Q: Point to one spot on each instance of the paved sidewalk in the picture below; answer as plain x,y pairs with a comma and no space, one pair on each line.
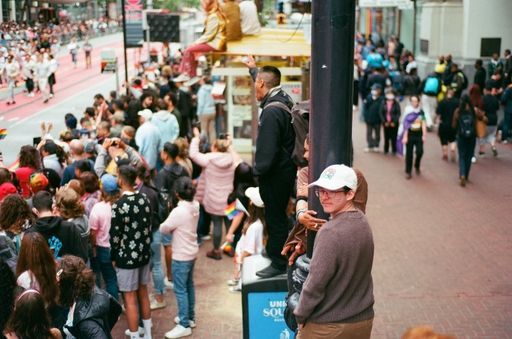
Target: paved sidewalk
218,311
443,253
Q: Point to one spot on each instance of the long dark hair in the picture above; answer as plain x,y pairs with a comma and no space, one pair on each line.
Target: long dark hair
465,102
243,179
35,256
256,213
29,318
29,157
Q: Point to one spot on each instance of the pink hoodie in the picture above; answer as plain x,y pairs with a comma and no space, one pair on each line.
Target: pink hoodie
182,223
218,173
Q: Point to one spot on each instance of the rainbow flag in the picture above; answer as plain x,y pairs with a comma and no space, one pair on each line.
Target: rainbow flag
3,133
231,212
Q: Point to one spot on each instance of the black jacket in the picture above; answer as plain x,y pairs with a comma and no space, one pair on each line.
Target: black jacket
62,236
276,136
372,110
479,79
94,318
410,84
395,112
164,181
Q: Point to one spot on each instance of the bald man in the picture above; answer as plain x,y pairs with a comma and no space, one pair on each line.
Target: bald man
76,150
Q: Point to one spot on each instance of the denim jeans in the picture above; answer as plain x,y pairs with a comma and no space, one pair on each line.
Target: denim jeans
156,262
107,271
183,277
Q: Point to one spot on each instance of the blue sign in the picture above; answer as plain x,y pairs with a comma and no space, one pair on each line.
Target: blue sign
266,316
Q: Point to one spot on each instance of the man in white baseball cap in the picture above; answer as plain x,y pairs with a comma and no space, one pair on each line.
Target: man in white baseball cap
337,297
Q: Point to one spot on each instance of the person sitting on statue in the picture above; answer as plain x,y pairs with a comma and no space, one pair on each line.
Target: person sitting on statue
337,296
212,39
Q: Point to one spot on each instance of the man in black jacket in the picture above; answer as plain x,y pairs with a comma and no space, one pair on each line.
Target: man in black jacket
185,104
273,163
480,74
63,237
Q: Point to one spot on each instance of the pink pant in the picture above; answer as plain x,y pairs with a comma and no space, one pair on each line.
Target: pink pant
188,62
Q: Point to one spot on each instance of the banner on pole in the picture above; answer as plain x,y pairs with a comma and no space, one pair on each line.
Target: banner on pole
133,23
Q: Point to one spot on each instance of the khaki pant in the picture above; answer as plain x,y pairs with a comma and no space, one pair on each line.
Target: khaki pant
359,330
208,125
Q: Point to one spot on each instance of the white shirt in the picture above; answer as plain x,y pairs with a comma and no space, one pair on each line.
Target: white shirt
249,18
12,69
29,68
43,69
252,241
53,65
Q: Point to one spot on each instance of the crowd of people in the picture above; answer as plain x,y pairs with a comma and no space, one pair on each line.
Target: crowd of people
110,213
28,54
465,114
86,212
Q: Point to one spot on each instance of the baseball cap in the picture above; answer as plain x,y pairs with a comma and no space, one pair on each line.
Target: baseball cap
109,183
335,177
146,113
253,193
38,182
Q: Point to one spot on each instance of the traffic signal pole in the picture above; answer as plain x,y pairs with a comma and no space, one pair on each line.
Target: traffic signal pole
332,78
124,47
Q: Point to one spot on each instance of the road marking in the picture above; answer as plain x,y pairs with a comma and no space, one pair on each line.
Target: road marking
13,119
57,104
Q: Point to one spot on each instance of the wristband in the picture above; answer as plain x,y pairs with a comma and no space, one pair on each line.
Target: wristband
299,212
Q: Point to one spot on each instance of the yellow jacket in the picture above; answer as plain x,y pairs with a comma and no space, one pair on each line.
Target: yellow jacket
214,31
231,11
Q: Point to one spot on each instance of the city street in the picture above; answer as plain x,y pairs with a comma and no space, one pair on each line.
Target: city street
74,91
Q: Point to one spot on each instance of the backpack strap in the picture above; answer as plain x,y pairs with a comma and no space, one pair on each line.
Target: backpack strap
279,104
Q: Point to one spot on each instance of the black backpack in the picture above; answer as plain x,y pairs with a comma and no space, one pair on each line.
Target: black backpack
467,125
300,123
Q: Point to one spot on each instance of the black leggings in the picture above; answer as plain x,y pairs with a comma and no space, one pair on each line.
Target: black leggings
414,142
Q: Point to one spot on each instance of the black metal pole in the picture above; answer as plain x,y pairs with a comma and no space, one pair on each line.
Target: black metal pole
414,29
332,77
123,9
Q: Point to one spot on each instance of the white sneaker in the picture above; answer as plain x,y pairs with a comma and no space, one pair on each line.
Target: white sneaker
141,332
367,150
473,160
179,332
192,323
235,289
155,304
168,284
232,282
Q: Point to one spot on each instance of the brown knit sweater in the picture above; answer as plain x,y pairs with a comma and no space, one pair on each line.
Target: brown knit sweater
339,286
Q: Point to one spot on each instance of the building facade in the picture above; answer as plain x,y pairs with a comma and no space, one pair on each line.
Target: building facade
466,29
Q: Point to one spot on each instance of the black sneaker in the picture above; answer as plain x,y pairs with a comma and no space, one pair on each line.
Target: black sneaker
269,272
494,151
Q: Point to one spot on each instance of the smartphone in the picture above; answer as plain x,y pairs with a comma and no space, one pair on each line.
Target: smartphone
36,141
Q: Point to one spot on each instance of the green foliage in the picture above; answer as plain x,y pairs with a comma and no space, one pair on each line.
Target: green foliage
176,5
